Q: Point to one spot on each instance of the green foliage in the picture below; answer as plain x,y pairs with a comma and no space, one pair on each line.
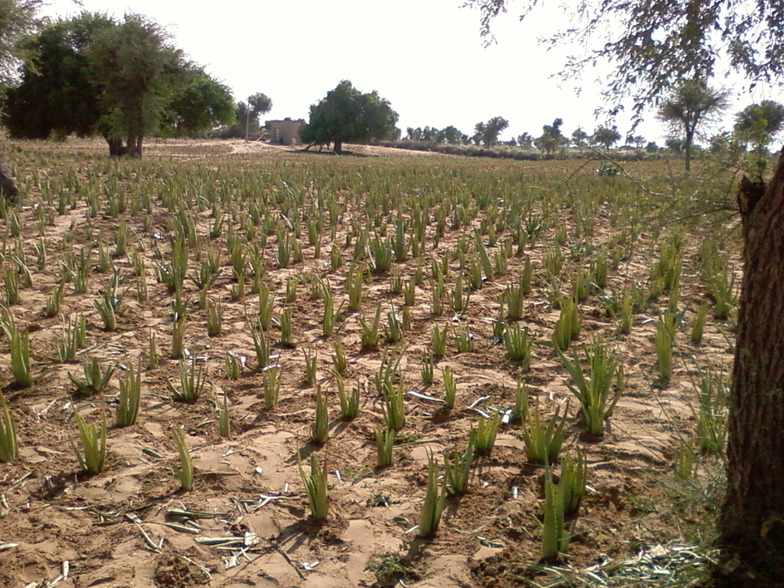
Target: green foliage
185,471
9,448
191,382
347,115
319,431
130,395
385,441
93,451
543,443
95,378
457,468
485,433
596,396
123,80
430,517
316,487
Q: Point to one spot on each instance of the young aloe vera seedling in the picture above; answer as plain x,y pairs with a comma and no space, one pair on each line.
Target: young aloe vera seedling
369,338
315,486
555,537
385,441
319,431
518,346
191,382
93,452
224,419
271,385
349,401
430,517
95,379
596,396
450,387
457,468
185,471
574,470
130,395
9,448
485,433
543,443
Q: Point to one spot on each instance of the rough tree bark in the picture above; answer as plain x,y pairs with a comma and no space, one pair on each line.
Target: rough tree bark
751,524
8,189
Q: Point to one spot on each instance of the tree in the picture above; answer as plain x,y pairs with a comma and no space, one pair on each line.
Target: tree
525,141
637,141
199,105
488,132
687,107
17,19
257,104
579,137
756,125
346,114
551,138
92,75
134,67
452,135
668,42
605,136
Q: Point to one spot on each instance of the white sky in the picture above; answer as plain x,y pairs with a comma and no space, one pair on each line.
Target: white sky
425,56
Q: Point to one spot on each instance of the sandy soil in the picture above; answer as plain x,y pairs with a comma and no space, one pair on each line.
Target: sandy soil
246,522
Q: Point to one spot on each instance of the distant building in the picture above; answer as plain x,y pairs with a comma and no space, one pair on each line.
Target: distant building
284,131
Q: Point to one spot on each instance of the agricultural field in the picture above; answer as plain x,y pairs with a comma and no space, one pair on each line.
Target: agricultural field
329,352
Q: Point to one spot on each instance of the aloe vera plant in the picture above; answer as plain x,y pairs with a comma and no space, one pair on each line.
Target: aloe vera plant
95,378
385,441
349,401
185,470
92,454
543,443
596,395
20,357
9,448
435,497
555,537
319,431
485,433
315,486
192,382
457,468
271,379
450,388
129,398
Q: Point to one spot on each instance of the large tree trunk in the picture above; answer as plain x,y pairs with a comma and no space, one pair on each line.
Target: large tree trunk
751,524
116,147
8,189
134,145
338,146
687,146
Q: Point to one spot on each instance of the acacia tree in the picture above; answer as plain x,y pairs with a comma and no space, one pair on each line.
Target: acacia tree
134,67
487,132
691,104
660,45
605,136
551,138
257,104
756,125
91,75
17,19
346,114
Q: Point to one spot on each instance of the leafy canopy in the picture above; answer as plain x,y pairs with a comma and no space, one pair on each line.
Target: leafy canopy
347,115
657,44
93,75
